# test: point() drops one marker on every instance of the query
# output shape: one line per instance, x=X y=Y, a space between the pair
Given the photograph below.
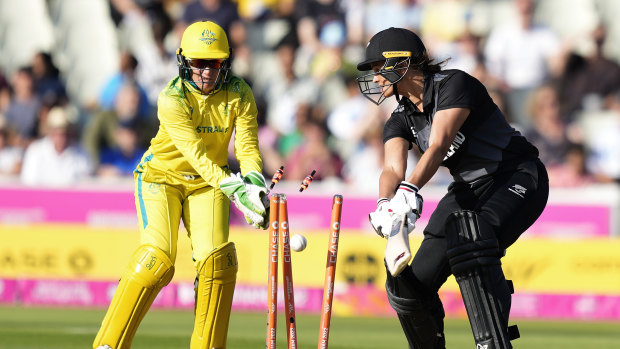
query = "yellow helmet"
x=204 y=40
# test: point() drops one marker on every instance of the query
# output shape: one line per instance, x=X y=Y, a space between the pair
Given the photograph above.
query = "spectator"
x=313 y=154
x=23 y=111
x=48 y=86
x=222 y=12
x=321 y=12
x=55 y=160
x=288 y=142
x=350 y=120
x=591 y=75
x=124 y=156
x=604 y=159
x=284 y=92
x=465 y=54
x=573 y=171
x=362 y=168
x=327 y=65
x=99 y=133
x=127 y=74
x=10 y=156
x=521 y=56
x=143 y=28
x=548 y=131
x=272 y=159
x=402 y=13
x=5 y=93
x=311 y=17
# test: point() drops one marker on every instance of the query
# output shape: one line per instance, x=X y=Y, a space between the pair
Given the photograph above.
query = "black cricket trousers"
x=510 y=201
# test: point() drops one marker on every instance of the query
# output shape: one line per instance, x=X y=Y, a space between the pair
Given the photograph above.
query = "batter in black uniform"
x=500 y=188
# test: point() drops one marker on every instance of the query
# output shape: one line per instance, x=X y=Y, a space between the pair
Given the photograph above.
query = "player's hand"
x=381 y=219
x=258 y=194
x=247 y=198
x=407 y=203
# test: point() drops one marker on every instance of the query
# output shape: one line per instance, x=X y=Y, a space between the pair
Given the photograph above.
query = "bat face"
x=397 y=252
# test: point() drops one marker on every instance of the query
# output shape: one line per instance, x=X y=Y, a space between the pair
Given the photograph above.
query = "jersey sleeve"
x=456 y=91
x=246 y=134
x=174 y=119
x=396 y=126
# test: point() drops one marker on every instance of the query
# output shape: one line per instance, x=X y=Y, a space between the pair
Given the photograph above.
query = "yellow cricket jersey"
x=195 y=131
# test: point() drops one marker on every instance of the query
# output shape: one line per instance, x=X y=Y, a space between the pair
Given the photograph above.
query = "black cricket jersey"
x=484 y=144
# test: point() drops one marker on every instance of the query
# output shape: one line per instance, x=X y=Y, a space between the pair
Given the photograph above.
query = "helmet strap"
x=396 y=92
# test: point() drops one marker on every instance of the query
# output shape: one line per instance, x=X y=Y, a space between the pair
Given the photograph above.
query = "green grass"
x=53 y=328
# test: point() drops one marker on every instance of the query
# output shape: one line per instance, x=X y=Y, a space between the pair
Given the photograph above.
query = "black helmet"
x=398 y=47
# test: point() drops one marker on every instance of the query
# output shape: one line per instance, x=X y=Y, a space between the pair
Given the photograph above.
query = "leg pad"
x=149 y=270
x=474 y=256
x=215 y=286
x=421 y=319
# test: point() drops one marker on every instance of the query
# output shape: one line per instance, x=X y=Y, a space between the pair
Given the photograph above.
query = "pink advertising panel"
x=116 y=208
x=8 y=291
x=348 y=300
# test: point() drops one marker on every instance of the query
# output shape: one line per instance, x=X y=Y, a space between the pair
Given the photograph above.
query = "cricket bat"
x=397 y=252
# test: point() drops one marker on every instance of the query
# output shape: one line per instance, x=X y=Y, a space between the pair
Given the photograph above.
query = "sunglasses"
x=205 y=63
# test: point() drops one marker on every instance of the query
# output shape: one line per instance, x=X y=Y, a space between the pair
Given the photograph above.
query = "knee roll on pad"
x=149 y=270
x=215 y=286
x=421 y=320
x=474 y=256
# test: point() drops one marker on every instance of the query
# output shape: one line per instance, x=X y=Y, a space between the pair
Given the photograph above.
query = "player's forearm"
x=249 y=158
x=246 y=143
x=427 y=166
x=388 y=182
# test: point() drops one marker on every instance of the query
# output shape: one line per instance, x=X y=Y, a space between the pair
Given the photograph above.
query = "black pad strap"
x=513 y=332
x=511 y=286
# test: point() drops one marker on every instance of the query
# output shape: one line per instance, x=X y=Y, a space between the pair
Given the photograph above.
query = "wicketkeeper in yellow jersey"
x=184 y=175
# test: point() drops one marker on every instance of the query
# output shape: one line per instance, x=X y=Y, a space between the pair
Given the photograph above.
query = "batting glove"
x=381 y=220
x=406 y=203
x=247 y=198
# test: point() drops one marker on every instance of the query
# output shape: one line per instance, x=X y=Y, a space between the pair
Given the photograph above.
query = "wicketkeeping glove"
x=256 y=187
x=248 y=194
x=406 y=203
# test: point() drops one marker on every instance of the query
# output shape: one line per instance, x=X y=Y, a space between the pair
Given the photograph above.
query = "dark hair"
x=428 y=64
x=50 y=69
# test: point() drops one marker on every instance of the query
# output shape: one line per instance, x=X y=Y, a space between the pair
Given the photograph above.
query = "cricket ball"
x=298 y=242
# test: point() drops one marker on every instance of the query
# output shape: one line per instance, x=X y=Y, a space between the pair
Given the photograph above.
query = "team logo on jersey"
x=208 y=37
x=236 y=87
x=225 y=112
x=154 y=188
x=519 y=190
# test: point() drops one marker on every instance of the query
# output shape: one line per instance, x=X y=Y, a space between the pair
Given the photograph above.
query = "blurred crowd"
x=82 y=103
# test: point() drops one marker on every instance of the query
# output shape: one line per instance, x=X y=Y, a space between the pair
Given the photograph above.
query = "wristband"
x=382 y=201
x=412 y=188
